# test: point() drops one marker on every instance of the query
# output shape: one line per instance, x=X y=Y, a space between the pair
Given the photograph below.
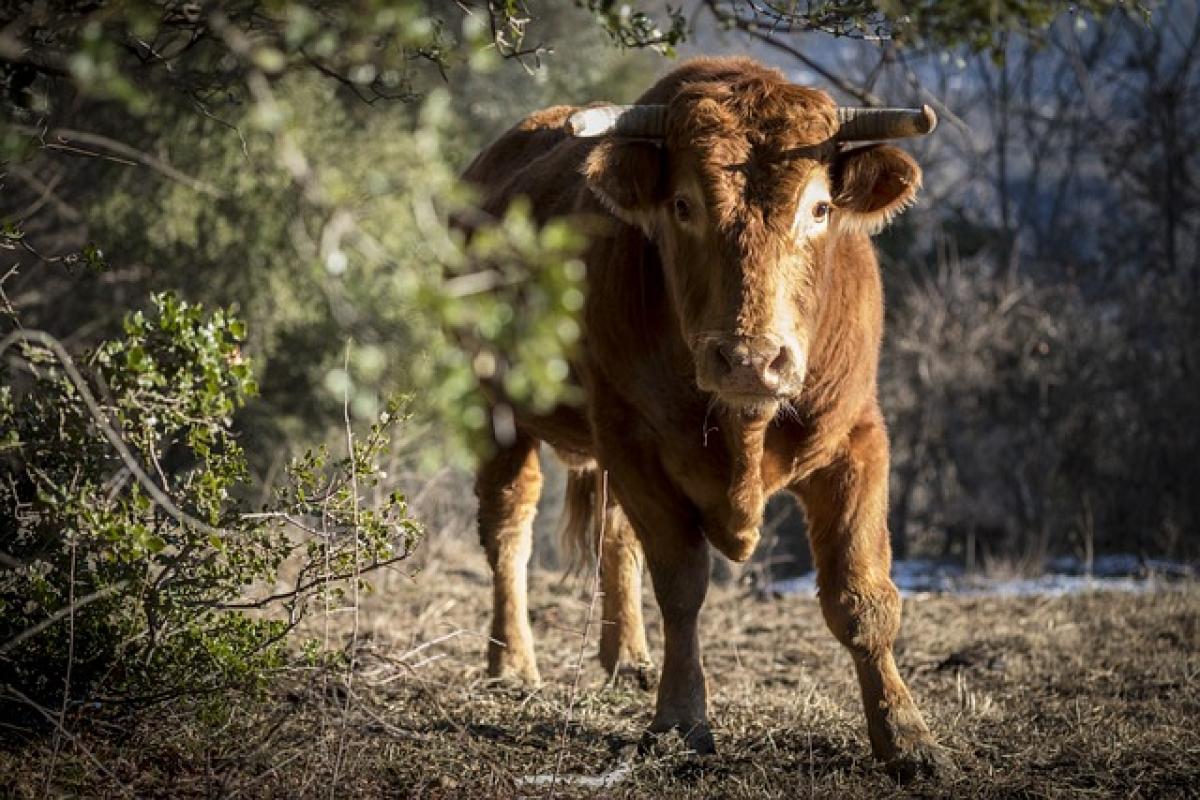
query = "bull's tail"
x=577 y=526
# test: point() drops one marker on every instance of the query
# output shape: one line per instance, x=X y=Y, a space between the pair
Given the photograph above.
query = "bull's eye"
x=821 y=211
x=683 y=209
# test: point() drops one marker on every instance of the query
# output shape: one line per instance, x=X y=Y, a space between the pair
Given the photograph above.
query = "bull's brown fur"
x=725 y=357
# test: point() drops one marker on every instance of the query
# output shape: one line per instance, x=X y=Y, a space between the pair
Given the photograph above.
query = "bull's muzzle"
x=758 y=368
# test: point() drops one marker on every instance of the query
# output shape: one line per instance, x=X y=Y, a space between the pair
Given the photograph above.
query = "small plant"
x=130 y=565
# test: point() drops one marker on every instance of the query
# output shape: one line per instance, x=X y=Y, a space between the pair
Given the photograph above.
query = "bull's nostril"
x=780 y=362
x=721 y=359
x=734 y=356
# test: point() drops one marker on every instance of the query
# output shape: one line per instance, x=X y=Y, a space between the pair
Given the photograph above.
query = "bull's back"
x=536 y=159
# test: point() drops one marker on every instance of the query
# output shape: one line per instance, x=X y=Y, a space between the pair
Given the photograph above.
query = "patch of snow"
x=1113 y=573
x=606 y=781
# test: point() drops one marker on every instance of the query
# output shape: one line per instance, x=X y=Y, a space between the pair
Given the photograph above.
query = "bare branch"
x=750 y=28
x=63 y=139
x=65 y=611
x=68 y=364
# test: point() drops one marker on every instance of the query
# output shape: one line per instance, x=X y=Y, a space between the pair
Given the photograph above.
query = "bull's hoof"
x=923 y=760
x=513 y=676
x=512 y=666
x=509 y=683
x=697 y=738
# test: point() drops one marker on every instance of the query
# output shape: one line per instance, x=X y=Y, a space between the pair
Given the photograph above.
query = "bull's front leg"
x=846 y=504
x=679 y=568
x=678 y=558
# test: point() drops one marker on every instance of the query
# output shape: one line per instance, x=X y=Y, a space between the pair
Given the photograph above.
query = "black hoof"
x=699 y=740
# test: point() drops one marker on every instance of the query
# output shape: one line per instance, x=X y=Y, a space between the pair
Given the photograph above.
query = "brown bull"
x=731 y=340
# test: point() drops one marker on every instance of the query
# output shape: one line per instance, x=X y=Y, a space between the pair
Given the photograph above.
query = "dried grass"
x=1088 y=696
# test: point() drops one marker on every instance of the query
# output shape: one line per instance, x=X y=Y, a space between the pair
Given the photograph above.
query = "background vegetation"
x=226 y=277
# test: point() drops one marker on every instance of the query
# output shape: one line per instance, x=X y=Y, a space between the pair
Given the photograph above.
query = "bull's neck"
x=745 y=438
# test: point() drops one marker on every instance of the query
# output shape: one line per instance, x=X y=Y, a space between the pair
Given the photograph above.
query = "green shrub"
x=129 y=559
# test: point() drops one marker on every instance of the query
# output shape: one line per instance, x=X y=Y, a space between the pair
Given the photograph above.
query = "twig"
x=67 y=610
x=124 y=154
x=68 y=364
x=786 y=22
x=601 y=508
x=62 y=710
x=433 y=642
x=288 y=518
x=301 y=589
x=8 y=306
x=943 y=111
x=204 y=110
x=17 y=693
x=337 y=764
x=865 y=97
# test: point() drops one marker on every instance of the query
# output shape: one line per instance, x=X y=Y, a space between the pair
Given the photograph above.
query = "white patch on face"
x=784 y=323
x=807 y=224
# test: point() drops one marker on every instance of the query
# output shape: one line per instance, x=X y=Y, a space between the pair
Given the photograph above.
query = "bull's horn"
x=643 y=121
x=863 y=124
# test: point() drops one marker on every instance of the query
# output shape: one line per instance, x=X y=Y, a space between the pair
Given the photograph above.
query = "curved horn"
x=644 y=121
x=863 y=124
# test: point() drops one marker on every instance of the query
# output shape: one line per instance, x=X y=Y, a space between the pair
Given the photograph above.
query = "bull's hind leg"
x=623 y=650
x=508 y=486
x=846 y=505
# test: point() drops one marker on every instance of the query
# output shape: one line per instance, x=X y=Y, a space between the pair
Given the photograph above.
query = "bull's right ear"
x=626 y=174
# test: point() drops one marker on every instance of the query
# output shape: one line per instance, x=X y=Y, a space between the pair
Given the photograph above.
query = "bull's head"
x=745 y=184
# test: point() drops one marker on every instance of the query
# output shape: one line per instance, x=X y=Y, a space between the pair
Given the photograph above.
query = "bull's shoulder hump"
x=536 y=158
x=533 y=137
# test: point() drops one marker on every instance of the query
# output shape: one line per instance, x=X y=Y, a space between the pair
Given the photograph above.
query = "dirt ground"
x=1086 y=696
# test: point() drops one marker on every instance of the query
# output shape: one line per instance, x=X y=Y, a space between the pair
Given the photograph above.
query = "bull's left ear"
x=870 y=185
x=626 y=174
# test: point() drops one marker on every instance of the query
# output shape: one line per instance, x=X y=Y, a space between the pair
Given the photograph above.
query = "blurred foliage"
x=143 y=51
x=371 y=259
x=630 y=27
x=310 y=182
x=144 y=578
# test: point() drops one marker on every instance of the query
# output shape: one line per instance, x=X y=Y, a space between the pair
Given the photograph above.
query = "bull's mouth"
x=752 y=405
